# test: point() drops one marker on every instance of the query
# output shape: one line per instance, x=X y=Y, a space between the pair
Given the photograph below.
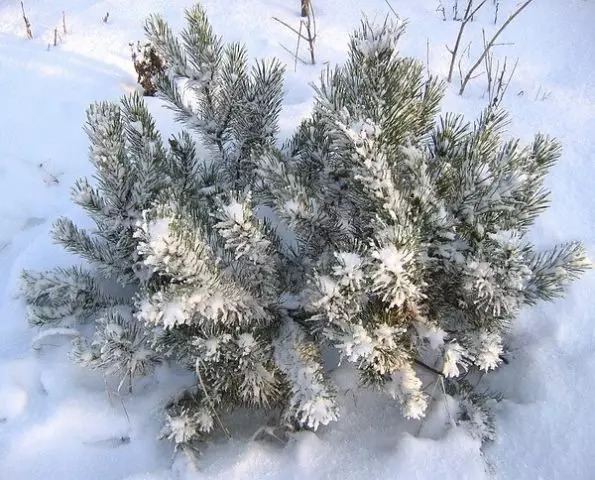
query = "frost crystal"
x=390 y=276
x=205 y=420
x=235 y=211
x=453 y=358
x=489 y=350
x=349 y=271
x=357 y=345
x=406 y=387
x=182 y=428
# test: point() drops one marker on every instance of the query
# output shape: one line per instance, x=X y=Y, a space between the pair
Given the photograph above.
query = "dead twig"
x=441 y=8
x=392 y=9
x=309 y=36
x=64 y=22
x=27 y=22
x=468 y=16
x=311 y=30
x=542 y=96
x=428 y=56
x=209 y=399
x=498 y=83
x=288 y=26
x=490 y=44
x=297 y=47
x=489 y=62
x=305 y=62
x=504 y=87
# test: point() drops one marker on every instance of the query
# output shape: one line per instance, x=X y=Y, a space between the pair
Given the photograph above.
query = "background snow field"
x=58 y=421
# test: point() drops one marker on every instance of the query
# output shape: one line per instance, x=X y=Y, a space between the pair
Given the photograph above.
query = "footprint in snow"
x=13 y=402
x=31 y=222
x=112 y=442
x=48 y=177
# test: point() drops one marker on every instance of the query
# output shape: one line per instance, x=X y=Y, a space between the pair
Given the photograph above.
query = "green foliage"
x=412 y=232
x=407 y=243
x=210 y=88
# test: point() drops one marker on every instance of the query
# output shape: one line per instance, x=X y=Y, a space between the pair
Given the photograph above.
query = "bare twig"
x=503 y=86
x=542 y=96
x=311 y=29
x=297 y=47
x=27 y=22
x=392 y=9
x=305 y=62
x=64 y=22
x=209 y=399
x=497 y=85
x=105 y=19
x=468 y=15
x=490 y=45
x=489 y=61
x=432 y=396
x=50 y=178
x=440 y=8
x=56 y=37
x=428 y=368
x=428 y=56
x=288 y=26
x=309 y=36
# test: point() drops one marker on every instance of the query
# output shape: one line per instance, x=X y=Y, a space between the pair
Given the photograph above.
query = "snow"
x=349 y=272
x=235 y=211
x=60 y=421
x=453 y=355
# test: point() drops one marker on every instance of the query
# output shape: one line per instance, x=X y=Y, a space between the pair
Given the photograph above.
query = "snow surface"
x=58 y=421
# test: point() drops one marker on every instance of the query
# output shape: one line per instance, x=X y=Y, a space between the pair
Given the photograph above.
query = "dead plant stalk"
x=27 y=22
x=490 y=44
x=468 y=16
x=310 y=35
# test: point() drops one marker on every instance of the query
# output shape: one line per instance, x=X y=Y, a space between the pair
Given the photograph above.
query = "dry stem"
x=490 y=44
x=27 y=23
x=464 y=21
x=310 y=36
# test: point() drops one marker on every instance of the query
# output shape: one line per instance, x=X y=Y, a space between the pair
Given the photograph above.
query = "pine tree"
x=217 y=297
x=407 y=245
x=209 y=87
x=412 y=230
x=131 y=173
x=182 y=266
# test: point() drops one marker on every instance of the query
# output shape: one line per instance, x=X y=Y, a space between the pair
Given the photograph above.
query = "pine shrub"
x=407 y=246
